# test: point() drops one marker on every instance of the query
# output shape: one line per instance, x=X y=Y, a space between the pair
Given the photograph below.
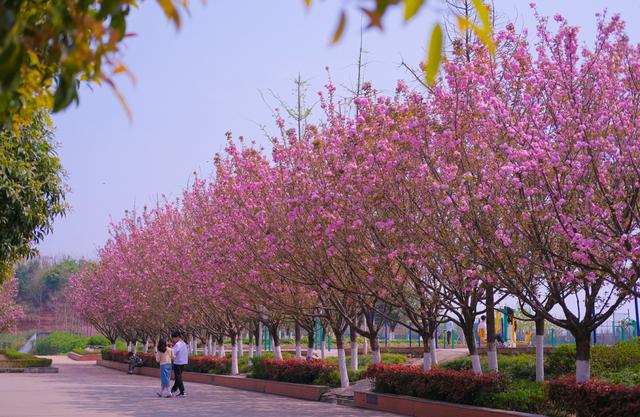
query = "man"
x=181 y=355
x=449 y=327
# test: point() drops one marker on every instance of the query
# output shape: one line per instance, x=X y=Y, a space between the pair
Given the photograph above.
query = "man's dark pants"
x=177 y=376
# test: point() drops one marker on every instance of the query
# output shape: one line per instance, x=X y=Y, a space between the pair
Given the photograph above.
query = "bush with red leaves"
x=202 y=364
x=462 y=387
x=291 y=370
x=594 y=398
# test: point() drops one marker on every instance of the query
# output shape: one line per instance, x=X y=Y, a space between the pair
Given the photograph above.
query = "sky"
x=195 y=84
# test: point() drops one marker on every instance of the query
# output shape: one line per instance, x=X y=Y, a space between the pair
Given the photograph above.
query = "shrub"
x=561 y=361
x=461 y=387
x=22 y=360
x=59 y=342
x=520 y=366
x=594 y=398
x=606 y=359
x=524 y=396
x=98 y=340
x=291 y=370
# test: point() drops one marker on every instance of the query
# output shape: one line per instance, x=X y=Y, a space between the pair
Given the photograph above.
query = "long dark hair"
x=162 y=345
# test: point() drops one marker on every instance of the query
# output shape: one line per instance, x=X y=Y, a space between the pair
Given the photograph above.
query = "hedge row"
x=562 y=396
x=292 y=370
x=462 y=387
x=594 y=398
x=22 y=360
x=201 y=364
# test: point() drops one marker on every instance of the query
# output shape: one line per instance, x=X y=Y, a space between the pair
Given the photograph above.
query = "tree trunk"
x=145 y=347
x=259 y=339
x=342 y=361
x=354 y=349
x=310 y=341
x=467 y=329
x=492 y=354
x=221 y=344
x=426 y=353
x=234 y=353
x=365 y=347
x=583 y=356
x=214 y=348
x=298 y=338
x=277 y=352
x=240 y=347
x=539 y=349
x=375 y=351
x=114 y=347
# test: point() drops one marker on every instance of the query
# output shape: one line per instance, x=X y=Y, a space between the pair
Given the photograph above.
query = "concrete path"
x=84 y=389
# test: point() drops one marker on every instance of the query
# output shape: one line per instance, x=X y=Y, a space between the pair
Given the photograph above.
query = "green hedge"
x=22 y=360
x=60 y=342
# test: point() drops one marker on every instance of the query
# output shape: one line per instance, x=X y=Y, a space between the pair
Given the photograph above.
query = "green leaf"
x=411 y=7
x=435 y=54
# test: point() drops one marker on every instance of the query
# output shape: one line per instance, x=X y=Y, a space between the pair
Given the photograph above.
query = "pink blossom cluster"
x=517 y=172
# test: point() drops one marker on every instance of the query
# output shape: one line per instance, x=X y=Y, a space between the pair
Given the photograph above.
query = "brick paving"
x=87 y=390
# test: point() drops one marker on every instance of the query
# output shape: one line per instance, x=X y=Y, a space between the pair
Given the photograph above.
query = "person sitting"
x=135 y=361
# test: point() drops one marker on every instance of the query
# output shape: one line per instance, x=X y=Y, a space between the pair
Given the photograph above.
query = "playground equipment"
x=506 y=325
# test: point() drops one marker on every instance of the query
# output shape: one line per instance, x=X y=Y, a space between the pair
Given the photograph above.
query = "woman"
x=164 y=356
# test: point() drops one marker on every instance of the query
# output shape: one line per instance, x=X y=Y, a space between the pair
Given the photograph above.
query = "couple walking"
x=175 y=357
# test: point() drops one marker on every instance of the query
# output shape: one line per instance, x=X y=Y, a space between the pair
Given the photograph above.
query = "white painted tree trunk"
x=539 y=358
x=426 y=361
x=392 y=335
x=434 y=354
x=234 y=360
x=145 y=347
x=240 y=346
x=251 y=350
x=259 y=341
x=298 y=350
x=475 y=364
x=135 y=347
x=214 y=349
x=221 y=353
x=492 y=357
x=376 y=356
x=277 y=353
x=583 y=370
x=210 y=344
x=365 y=347
x=310 y=352
x=342 y=368
x=354 y=355
x=114 y=346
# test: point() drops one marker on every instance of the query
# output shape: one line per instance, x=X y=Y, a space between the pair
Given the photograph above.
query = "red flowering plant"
x=593 y=398
x=462 y=387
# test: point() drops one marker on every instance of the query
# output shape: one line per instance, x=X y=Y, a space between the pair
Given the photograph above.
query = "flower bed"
x=292 y=370
x=199 y=364
x=460 y=387
x=594 y=398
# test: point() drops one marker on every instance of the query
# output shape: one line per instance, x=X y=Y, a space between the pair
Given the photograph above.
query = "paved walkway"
x=87 y=390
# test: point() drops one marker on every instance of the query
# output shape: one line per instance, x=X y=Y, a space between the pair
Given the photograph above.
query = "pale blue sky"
x=196 y=84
